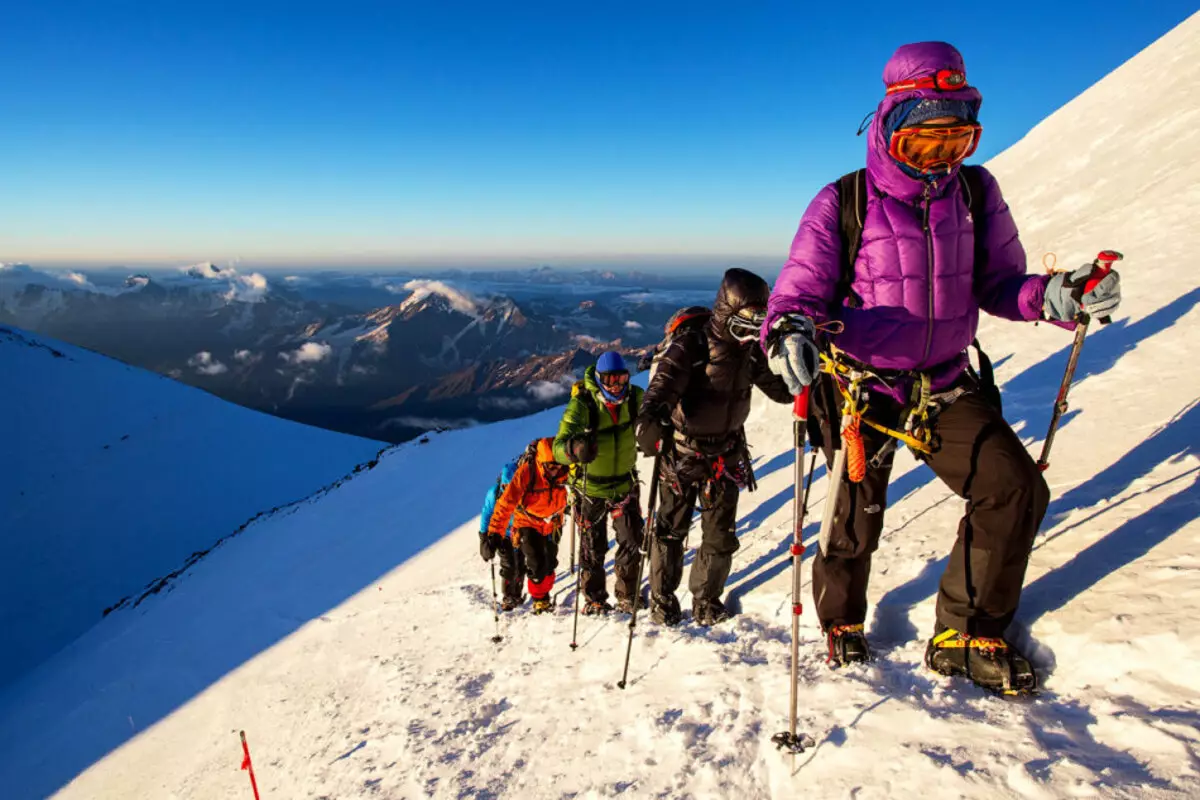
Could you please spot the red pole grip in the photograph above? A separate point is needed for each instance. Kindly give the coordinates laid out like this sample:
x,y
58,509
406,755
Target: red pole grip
x,y
1103,266
800,405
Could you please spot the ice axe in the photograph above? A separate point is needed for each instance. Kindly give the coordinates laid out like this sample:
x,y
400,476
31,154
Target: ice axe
x,y
1100,268
789,740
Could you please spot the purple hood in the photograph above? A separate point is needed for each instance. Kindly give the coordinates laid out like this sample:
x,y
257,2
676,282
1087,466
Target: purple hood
x,y
920,288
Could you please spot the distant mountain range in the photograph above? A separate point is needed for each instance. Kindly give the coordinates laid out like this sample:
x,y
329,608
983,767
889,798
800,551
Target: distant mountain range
x,y
318,348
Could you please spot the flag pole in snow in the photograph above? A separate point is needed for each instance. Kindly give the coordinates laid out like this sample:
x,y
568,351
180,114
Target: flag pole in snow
x,y
1100,267
647,543
247,765
578,589
789,740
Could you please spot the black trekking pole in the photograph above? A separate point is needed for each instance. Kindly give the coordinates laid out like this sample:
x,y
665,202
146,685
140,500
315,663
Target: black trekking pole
x,y
578,581
789,740
495,604
574,524
647,544
1100,268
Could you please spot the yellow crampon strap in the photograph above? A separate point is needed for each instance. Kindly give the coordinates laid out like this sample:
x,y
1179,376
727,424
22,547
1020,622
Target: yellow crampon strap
x,y
952,639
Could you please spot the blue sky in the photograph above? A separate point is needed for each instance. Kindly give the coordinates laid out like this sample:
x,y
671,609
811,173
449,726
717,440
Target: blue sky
x,y
344,134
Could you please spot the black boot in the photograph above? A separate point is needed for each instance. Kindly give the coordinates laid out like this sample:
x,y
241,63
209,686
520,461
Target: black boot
x,y
709,612
664,609
991,663
847,645
625,604
595,608
509,603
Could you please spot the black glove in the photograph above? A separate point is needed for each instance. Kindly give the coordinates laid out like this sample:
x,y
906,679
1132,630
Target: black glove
x,y
488,544
582,449
649,434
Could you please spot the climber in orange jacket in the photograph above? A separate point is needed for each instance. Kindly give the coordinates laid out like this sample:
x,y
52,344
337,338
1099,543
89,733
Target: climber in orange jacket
x,y
535,500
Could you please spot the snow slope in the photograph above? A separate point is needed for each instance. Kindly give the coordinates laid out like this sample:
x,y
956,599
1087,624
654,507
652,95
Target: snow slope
x,y
113,476
350,637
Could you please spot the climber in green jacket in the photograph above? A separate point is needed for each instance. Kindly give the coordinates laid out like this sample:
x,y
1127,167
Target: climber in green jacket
x,y
596,435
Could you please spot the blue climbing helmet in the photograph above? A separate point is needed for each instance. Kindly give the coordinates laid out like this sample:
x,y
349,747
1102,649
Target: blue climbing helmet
x,y
612,376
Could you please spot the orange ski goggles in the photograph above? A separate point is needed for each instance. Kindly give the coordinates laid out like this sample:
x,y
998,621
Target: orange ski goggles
x,y
930,149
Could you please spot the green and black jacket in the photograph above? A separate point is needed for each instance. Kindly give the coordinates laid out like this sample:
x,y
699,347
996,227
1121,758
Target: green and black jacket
x,y
610,476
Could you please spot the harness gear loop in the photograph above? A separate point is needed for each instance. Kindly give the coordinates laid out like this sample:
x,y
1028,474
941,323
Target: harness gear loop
x,y
917,436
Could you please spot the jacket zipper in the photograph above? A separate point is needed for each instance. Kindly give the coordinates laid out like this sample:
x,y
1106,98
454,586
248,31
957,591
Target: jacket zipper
x,y
929,261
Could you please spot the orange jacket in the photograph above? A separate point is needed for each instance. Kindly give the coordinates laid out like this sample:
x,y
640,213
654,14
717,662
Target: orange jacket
x,y
532,499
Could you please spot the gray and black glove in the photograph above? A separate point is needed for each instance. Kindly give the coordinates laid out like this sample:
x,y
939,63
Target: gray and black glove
x,y
582,449
792,351
489,543
649,435
1065,297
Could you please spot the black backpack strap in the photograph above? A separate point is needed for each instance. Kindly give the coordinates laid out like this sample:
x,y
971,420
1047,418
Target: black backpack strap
x,y
852,200
589,403
974,194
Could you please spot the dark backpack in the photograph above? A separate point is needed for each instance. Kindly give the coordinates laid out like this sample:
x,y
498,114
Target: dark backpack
x,y
852,197
685,320
529,454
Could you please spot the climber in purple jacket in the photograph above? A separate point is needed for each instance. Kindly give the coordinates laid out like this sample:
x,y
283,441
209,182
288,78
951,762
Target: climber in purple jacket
x,y
909,314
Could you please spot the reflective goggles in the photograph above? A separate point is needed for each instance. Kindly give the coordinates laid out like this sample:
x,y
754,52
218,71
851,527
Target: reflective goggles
x,y
930,149
614,382
746,324
944,80
554,470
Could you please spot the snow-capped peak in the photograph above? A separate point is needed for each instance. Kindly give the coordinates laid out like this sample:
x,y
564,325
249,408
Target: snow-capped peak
x,y
422,290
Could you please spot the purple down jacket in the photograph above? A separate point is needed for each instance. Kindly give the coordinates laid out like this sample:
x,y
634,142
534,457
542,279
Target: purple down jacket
x,y
921,292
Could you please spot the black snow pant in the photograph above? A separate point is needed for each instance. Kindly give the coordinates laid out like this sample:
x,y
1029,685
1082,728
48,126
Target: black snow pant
x,y
976,454
512,570
541,560
592,528
714,557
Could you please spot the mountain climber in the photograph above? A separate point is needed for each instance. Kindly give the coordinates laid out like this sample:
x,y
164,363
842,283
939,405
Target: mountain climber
x,y
906,309
596,435
694,409
512,561
534,501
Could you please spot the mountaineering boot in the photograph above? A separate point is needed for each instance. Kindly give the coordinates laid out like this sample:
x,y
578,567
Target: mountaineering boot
x,y
509,603
664,609
542,605
847,645
709,612
991,663
625,604
596,607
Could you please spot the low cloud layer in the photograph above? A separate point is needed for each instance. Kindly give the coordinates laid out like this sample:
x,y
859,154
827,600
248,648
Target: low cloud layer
x,y
307,353
250,288
204,364
549,391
